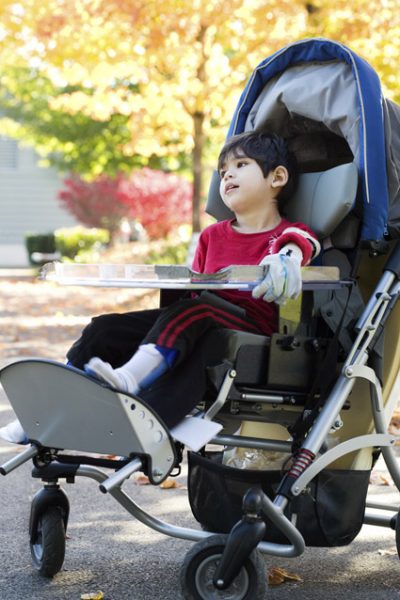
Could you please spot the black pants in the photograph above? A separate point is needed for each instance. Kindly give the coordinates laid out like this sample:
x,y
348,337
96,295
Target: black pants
x,y
181,326
115,337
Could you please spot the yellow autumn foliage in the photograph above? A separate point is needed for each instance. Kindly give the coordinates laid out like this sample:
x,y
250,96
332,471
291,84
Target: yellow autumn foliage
x,y
168,66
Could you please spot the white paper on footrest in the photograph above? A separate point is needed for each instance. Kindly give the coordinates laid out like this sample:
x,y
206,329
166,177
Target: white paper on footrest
x,y
195,432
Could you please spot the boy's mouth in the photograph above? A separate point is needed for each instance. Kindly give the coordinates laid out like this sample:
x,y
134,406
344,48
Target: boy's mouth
x,y
229,187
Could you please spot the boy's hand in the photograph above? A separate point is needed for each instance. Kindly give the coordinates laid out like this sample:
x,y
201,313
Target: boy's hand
x,y
283,279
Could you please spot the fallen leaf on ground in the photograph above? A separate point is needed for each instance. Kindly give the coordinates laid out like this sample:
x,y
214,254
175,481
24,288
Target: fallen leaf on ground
x,y
379,479
142,480
392,552
394,426
169,483
277,576
94,596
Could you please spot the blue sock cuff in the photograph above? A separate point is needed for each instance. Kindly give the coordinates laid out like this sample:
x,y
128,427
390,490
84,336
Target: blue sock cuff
x,y
151,377
169,354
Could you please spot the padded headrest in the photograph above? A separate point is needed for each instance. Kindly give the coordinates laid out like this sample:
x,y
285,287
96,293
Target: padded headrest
x,y
322,200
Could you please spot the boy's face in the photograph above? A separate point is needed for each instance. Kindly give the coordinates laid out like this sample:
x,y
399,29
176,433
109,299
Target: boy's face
x,y
243,185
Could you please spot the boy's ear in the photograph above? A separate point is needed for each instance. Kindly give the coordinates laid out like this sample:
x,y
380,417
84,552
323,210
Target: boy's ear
x,y
280,176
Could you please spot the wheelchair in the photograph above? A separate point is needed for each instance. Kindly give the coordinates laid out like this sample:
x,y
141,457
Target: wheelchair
x,y
295,422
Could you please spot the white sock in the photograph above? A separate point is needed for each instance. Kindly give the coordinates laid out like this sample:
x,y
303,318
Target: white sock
x,y
104,371
14,433
128,378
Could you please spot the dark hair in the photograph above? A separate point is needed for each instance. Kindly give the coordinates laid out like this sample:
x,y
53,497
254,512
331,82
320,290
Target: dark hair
x,y
269,151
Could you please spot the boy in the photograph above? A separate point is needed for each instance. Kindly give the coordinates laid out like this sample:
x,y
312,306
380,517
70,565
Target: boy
x,y
132,351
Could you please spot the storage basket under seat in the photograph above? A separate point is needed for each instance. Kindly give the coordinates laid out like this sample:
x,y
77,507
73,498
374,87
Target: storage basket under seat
x,y
330,513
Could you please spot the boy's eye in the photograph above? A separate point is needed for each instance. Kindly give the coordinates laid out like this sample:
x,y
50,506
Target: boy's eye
x,y
222,174
242,163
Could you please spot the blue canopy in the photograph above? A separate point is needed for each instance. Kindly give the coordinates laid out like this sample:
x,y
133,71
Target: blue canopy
x,y
372,153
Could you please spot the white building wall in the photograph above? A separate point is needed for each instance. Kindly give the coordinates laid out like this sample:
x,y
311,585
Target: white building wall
x,y
28,201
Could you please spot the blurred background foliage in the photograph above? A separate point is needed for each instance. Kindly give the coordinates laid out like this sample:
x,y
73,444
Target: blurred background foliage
x,y
103,87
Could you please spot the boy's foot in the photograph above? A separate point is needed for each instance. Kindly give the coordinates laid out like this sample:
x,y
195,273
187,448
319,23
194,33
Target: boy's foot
x,y
116,377
14,433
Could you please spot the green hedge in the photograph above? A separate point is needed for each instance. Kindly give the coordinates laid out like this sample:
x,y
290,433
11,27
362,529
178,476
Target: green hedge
x,y
72,241
68,242
40,244
168,254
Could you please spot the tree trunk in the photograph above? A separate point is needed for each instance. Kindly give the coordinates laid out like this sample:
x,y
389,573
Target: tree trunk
x,y
198,122
198,132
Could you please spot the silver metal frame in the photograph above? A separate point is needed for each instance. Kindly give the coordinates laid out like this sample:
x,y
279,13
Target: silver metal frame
x,y
353,369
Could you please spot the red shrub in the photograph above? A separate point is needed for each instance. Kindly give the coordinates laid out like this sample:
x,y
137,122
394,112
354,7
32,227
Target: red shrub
x,y
159,201
94,203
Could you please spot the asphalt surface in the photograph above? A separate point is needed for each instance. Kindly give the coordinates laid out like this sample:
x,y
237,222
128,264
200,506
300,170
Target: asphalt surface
x,y
108,550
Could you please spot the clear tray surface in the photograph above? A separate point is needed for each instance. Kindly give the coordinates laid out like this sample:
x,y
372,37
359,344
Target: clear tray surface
x,y
243,277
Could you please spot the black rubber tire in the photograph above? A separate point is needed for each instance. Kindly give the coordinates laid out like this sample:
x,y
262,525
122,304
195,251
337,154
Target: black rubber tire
x,y
48,550
198,570
397,530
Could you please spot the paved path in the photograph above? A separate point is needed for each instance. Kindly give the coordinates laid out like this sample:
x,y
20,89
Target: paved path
x,y
109,551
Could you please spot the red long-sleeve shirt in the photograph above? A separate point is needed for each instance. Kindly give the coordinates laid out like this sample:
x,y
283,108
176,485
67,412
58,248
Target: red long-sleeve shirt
x,y
220,245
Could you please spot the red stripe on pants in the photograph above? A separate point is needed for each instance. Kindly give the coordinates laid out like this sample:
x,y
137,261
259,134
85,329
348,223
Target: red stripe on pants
x,y
176,326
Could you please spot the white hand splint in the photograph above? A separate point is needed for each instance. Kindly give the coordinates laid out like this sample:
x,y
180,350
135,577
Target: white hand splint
x,y
283,279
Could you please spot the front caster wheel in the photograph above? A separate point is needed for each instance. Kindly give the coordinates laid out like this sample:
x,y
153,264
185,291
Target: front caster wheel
x,y
48,547
199,567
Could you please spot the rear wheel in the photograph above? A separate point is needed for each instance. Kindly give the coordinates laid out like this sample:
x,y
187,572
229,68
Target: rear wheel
x,y
201,563
48,548
397,529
